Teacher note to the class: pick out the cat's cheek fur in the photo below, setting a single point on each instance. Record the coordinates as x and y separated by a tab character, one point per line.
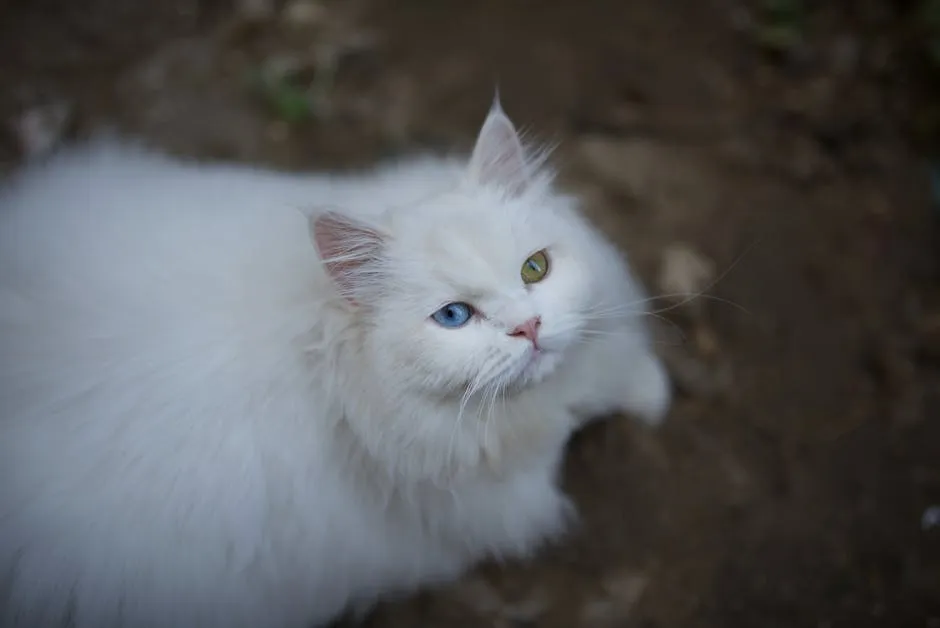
616	370
639	387
426	358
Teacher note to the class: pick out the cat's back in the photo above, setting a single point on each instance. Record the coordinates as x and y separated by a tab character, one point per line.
121	198
103	226
114	260
138	290
154	320
115	198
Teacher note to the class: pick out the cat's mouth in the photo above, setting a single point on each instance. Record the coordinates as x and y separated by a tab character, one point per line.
534	366
526	369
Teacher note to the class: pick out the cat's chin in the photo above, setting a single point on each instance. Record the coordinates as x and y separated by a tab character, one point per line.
535	368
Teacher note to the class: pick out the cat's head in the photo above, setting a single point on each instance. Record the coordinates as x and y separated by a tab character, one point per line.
486	286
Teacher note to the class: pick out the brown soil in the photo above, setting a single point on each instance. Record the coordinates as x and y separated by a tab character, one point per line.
788	486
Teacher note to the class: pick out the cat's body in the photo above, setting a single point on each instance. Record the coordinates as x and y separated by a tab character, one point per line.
204	423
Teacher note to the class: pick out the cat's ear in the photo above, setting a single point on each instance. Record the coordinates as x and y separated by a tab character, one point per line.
351	252
499	157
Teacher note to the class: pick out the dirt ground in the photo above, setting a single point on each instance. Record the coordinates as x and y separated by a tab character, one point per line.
792	483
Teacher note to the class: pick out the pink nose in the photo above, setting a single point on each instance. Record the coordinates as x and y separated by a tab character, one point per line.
528	329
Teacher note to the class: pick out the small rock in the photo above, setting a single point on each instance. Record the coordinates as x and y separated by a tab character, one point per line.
397	116
935	185
477	594
526	611
706	342
630	167
930	519
928	339
909	408
684	272
255	10
810	162
741	19
880	55
598	612
813	99
279	67
696	377
278	131
891	363
40	129
743	152
616	603
304	13
626	588
667	181
845	55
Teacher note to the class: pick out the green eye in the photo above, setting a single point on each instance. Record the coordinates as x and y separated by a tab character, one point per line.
535	268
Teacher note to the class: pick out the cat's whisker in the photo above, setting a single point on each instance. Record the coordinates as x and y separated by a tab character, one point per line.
480	382
631	308
479	412
503	400
489	398
592	338
455	430
672	324
601	332
475	384
500	394
691	297
493	385
497	367
702	294
499	390
616	332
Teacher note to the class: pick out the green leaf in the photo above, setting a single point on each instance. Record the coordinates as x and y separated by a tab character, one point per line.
779	36
291	104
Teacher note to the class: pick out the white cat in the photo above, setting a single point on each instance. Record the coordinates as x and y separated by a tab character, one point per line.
241	398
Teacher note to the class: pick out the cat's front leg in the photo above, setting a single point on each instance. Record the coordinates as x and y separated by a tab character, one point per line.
621	373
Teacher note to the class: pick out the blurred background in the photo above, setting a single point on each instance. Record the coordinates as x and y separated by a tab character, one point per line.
776	154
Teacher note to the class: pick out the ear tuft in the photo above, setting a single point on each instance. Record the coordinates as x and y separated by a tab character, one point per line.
350	252
499	157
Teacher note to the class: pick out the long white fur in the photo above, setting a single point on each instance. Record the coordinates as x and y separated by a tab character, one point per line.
199	427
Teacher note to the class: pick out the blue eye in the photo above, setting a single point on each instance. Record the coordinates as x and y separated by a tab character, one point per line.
453	315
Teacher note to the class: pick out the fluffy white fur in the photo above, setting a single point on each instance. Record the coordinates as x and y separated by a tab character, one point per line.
203	423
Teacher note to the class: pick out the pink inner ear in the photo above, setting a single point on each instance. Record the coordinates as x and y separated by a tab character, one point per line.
346	248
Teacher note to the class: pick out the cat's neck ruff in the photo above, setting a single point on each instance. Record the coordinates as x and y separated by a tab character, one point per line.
480	437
